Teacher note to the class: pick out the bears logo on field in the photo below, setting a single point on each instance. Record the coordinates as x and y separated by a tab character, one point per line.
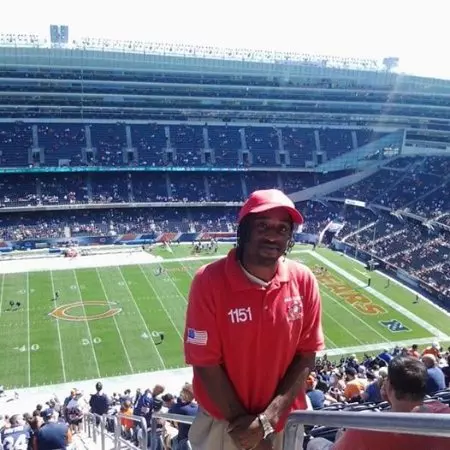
64	311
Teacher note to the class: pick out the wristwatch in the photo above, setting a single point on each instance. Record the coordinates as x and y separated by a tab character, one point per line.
269	432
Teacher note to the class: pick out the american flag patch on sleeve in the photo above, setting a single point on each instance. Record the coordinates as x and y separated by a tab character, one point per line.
197	337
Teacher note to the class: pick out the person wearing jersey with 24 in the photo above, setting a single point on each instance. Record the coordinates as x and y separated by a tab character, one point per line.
17	436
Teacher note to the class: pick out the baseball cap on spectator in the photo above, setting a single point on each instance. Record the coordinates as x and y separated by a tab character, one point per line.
267	199
98	386
350	371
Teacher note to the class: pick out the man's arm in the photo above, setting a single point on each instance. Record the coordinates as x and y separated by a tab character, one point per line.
220	390
290	386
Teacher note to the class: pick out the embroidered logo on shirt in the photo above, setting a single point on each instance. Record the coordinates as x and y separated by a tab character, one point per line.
294	308
197	337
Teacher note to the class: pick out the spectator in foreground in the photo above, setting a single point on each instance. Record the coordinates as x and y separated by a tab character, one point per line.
405	389
245	310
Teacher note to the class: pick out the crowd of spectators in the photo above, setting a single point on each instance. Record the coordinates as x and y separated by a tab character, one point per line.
122	187
347	384
414	184
180	145
408	245
113	222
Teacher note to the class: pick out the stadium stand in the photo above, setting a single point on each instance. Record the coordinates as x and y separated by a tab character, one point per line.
167	144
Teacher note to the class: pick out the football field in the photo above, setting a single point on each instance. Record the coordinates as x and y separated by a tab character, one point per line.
107	321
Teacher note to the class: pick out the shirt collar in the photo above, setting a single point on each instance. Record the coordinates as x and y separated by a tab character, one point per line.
239	280
254	279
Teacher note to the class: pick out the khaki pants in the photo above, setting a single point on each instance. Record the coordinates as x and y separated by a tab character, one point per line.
207	433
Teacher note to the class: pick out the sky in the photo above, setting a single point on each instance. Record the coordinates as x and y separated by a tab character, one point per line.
414	31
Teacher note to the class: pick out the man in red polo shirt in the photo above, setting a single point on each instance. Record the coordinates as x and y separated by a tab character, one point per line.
253	328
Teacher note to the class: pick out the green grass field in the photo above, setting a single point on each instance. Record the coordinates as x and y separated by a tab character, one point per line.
46	342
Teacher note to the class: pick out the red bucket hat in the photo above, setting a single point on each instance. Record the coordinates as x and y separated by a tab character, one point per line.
264	200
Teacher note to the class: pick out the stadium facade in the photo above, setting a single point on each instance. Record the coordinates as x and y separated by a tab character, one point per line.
129	142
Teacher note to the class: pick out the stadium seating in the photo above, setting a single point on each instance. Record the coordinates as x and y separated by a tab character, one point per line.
107	189
149	140
149	187
63	144
225	141
110	142
331	391
18	190
262	142
301	124
299	143
15	140
63	188
187	187
225	187
416	184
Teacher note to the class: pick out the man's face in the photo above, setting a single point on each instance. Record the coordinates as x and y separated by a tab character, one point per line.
270	233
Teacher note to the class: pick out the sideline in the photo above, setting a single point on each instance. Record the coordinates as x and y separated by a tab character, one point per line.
424	324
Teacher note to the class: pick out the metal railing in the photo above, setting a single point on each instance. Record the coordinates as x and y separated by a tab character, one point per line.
436	425
165	416
109	427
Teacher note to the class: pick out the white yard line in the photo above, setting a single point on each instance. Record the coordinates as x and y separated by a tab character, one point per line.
61	353
340	326
435	331
374	347
161	302
1	295
28	326
330	341
142	317
115	322
341	304
176	288
87	323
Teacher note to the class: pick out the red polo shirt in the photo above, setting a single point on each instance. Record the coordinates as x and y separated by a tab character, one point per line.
253	331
